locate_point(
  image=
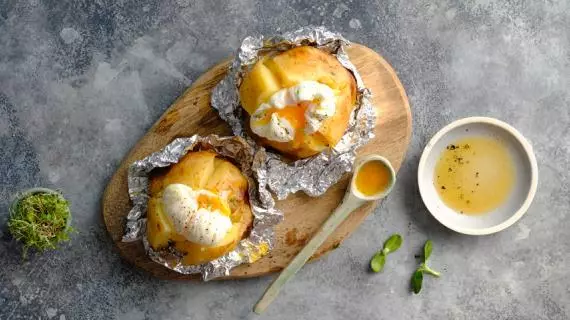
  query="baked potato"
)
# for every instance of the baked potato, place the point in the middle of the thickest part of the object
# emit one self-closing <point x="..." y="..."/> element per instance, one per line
<point x="263" y="95"/>
<point x="221" y="187"/>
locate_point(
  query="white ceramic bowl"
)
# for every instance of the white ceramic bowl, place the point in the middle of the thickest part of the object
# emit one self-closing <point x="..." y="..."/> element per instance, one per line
<point x="526" y="176"/>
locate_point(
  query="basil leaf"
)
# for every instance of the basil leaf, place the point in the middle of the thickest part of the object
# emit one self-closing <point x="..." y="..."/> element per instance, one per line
<point x="377" y="262"/>
<point x="393" y="243"/>
<point x="427" y="250"/>
<point x="417" y="279"/>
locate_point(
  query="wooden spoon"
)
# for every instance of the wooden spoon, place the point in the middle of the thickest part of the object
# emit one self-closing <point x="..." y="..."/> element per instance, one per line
<point x="352" y="200"/>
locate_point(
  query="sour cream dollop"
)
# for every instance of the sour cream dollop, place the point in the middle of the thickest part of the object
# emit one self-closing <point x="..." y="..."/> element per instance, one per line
<point x="321" y="104"/>
<point x="197" y="224"/>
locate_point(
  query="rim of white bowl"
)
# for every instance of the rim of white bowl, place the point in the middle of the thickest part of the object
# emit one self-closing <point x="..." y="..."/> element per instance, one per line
<point x="530" y="157"/>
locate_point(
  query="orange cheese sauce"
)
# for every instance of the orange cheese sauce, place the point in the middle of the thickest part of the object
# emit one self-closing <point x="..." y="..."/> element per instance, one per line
<point x="295" y="114"/>
<point x="373" y="177"/>
<point x="213" y="203"/>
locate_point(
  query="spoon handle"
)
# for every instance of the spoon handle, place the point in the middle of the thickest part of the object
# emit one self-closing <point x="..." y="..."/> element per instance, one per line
<point x="348" y="205"/>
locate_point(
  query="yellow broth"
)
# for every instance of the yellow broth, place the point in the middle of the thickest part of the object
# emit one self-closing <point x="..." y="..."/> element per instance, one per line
<point x="474" y="175"/>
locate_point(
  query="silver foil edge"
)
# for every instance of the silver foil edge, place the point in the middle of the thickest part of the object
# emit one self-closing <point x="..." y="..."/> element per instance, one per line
<point x="312" y="175"/>
<point x="266" y="216"/>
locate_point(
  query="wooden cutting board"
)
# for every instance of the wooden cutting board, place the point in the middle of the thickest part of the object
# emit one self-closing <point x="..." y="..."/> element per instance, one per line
<point x="191" y="114"/>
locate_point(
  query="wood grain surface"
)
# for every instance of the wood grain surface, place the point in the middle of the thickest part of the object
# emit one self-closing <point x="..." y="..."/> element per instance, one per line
<point x="192" y="114"/>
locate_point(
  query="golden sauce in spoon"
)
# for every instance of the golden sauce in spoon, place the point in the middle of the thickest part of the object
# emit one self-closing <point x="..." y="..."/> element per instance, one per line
<point x="373" y="177"/>
<point x="474" y="175"/>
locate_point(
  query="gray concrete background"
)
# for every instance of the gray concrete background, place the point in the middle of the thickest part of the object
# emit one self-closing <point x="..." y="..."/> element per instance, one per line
<point x="81" y="81"/>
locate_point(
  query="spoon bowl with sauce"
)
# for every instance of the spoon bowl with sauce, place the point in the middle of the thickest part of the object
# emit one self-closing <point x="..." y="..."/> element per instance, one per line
<point x="372" y="180"/>
<point x="478" y="175"/>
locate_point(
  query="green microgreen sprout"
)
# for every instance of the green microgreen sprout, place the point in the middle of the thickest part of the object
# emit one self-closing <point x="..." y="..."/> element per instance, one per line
<point x="379" y="259"/>
<point x="417" y="277"/>
<point x="40" y="221"/>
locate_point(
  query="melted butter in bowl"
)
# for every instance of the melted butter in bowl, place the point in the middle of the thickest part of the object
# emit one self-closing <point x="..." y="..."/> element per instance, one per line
<point x="477" y="175"/>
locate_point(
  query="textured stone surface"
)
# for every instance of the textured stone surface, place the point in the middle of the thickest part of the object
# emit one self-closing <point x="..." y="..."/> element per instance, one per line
<point x="81" y="81"/>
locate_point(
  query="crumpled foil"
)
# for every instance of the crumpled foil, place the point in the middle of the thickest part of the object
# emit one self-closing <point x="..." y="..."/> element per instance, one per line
<point x="312" y="175"/>
<point x="248" y="250"/>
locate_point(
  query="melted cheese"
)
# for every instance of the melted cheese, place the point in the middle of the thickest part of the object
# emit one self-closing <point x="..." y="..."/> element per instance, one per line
<point x="199" y="216"/>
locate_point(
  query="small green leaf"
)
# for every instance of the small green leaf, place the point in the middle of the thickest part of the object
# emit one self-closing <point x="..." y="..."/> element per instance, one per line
<point x="393" y="243"/>
<point x="429" y="270"/>
<point x="417" y="279"/>
<point x="427" y="250"/>
<point x="377" y="262"/>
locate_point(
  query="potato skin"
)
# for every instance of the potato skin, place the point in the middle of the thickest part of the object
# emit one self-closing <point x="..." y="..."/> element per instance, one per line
<point x="287" y="69"/>
<point x="199" y="170"/>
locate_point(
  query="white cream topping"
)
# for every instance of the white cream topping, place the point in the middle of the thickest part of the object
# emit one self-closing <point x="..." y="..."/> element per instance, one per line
<point x="277" y="129"/>
<point x="321" y="105"/>
<point x="198" y="225"/>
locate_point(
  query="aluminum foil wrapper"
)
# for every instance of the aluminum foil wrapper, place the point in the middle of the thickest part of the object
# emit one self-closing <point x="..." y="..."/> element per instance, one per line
<point x="312" y="175"/>
<point x="248" y="250"/>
